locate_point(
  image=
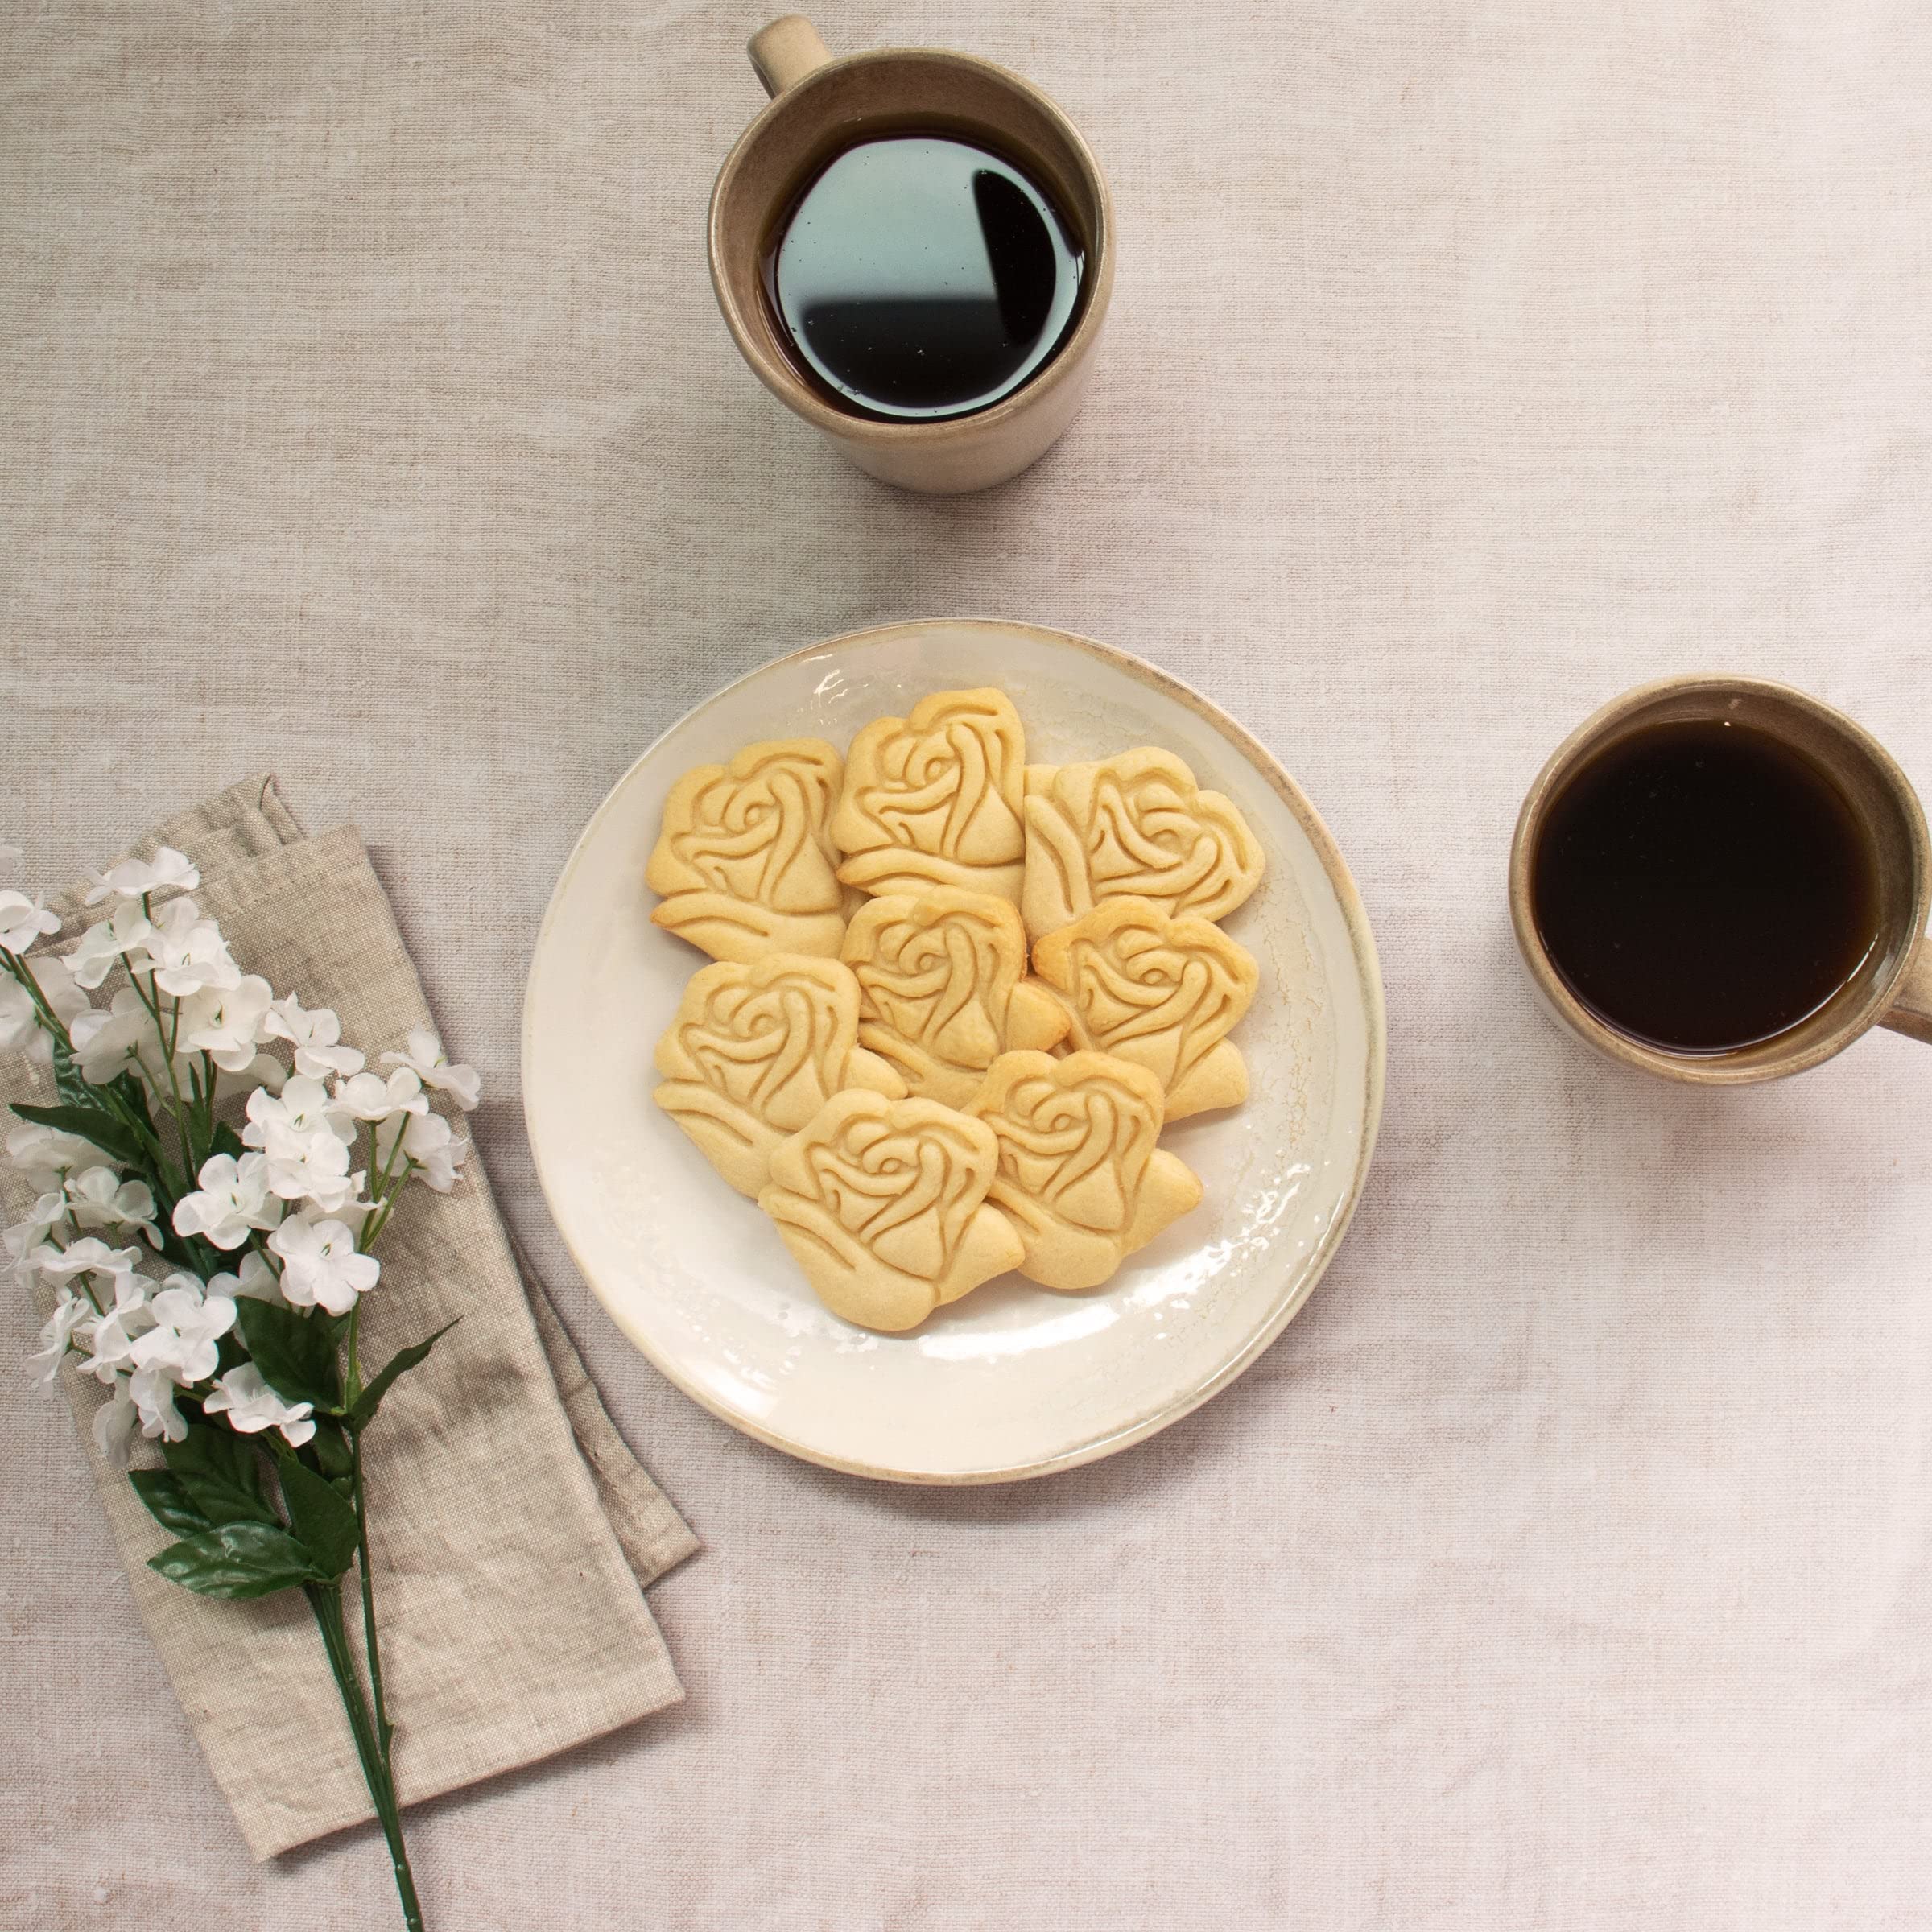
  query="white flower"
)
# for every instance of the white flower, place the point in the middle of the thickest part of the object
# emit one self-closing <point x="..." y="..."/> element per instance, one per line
<point x="233" y="1199"/>
<point x="256" y="1282"/>
<point x="20" y="1020"/>
<point x="24" y="1237"/>
<point x="312" y="1167"/>
<point x="188" y="1322"/>
<point x="114" y="1423"/>
<point x="19" y="1017"/>
<point x="69" y="1312"/>
<point x="46" y="1156"/>
<point x="110" y="1341"/>
<point x="113" y="1042"/>
<point x="23" y="920"/>
<point x="225" y="1022"/>
<point x="132" y="877"/>
<point x="251" y="1406"/>
<point x="90" y="1255"/>
<point x="186" y="952"/>
<point x="99" y="1198"/>
<point x="301" y="1108"/>
<point x="321" y="1268"/>
<point x="107" y="942"/>
<point x="427" y="1059"/>
<point x="427" y="1141"/>
<point x="368" y="1096"/>
<point x="153" y="1390"/>
<point x="315" y="1035"/>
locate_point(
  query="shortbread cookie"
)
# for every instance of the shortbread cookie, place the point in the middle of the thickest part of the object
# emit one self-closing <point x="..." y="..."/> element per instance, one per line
<point x="942" y="991"/>
<point x="1160" y="992"/>
<point x="744" y="860"/>
<point x="883" y="1204"/>
<point x="1079" y="1175"/>
<point x="1133" y="826"/>
<point x="934" y="799"/>
<point x="756" y="1050"/>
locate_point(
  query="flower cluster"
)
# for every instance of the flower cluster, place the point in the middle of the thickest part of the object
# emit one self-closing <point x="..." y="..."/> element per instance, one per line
<point x="205" y="1211"/>
<point x="155" y="1233"/>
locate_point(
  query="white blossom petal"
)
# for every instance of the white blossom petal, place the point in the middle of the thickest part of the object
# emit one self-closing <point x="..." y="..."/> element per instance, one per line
<point x="255" y="1281"/>
<point x="428" y="1061"/>
<point x="233" y="1200"/>
<point x="23" y="920"/>
<point x="321" y="1268"/>
<point x="69" y="1312"/>
<point x="132" y="877"/>
<point x="114" y="1423"/>
<point x="185" y="952"/>
<point x="244" y="1397"/>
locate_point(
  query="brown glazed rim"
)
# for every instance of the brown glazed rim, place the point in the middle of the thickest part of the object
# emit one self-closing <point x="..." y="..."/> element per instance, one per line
<point x="1715" y="1070"/>
<point x="791" y="388"/>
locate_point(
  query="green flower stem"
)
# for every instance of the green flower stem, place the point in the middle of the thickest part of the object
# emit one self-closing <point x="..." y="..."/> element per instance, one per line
<point x="49" y="1019"/>
<point x="325" y="1600"/>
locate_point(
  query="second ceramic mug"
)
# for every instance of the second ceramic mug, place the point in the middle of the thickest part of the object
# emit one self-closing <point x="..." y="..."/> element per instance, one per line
<point x="821" y="105"/>
<point x="1892" y="987"/>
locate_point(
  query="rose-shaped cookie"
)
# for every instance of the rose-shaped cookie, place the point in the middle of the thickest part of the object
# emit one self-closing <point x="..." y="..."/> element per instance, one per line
<point x="1079" y="1175"/>
<point x="934" y="799"/>
<point x="744" y="861"/>
<point x="1132" y="826"/>
<point x="942" y="990"/>
<point x="883" y="1204"/>
<point x="756" y="1050"/>
<point x="1160" y="992"/>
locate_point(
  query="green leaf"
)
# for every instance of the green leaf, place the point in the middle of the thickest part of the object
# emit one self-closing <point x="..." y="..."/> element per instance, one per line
<point x="237" y="1560"/>
<point x="296" y="1353"/>
<point x="323" y="1523"/>
<point x="226" y="1140"/>
<point x="331" y="1449"/>
<point x="67" y="1082"/>
<point x="362" y="1411"/>
<point x="168" y="1502"/>
<point x="222" y="1475"/>
<point x="91" y="1124"/>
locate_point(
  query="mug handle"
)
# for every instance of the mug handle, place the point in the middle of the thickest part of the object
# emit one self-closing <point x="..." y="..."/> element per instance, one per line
<point x="785" y="53"/>
<point x="1911" y="1011"/>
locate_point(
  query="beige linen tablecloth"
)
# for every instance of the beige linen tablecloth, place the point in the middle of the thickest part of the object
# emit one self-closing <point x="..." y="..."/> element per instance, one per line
<point x="364" y="414"/>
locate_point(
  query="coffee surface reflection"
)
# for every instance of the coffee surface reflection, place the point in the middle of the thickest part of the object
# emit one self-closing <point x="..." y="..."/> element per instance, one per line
<point x="919" y="277"/>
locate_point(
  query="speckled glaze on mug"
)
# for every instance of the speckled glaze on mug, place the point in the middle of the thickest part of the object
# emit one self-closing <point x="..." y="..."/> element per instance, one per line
<point x="821" y="104"/>
<point x="1892" y="988"/>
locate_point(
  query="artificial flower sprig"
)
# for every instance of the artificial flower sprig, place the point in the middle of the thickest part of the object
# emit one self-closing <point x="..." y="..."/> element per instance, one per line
<point x="207" y="1212"/>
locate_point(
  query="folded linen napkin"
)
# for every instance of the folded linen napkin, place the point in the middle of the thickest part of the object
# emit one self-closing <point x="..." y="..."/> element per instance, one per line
<point x="513" y="1531"/>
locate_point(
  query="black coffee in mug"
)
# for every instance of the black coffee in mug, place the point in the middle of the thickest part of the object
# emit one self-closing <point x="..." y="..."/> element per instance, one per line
<point x="920" y="276"/>
<point x="1702" y="885"/>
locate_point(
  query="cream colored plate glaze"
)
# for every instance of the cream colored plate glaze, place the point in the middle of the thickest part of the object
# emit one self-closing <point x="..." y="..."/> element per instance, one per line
<point x="1013" y="1381"/>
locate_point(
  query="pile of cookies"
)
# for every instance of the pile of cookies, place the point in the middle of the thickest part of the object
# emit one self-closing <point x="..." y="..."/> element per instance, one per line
<point x="872" y="1059"/>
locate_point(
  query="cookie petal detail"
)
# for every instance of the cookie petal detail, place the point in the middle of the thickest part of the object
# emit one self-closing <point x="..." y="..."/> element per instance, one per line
<point x="942" y="991"/>
<point x="756" y="1050"/>
<point x="883" y="1204"/>
<point x="936" y="798"/>
<point x="1158" y="991"/>
<point x="1079" y="1175"/>
<point x="1132" y="826"/>
<point x="744" y="861"/>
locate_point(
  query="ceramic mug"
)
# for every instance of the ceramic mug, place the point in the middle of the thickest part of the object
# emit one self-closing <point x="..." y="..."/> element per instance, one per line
<point x="1892" y="987"/>
<point x="820" y="105"/>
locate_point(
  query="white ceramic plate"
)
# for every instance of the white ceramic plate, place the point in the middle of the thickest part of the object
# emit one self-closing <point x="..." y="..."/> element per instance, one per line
<point x="1013" y="1381"/>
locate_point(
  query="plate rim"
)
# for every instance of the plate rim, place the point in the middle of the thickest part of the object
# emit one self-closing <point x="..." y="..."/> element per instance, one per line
<point x="1367" y="970"/>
